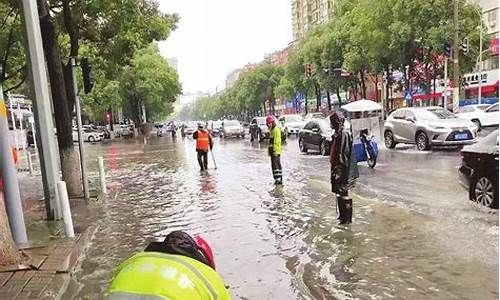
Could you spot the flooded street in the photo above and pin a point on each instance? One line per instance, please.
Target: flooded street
(415, 234)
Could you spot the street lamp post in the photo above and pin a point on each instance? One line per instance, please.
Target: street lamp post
(480, 57)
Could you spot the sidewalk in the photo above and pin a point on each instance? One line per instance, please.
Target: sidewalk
(49, 257)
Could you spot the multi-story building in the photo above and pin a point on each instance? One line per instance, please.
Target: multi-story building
(308, 13)
(280, 57)
(490, 67)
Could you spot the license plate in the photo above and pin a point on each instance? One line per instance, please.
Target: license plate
(461, 136)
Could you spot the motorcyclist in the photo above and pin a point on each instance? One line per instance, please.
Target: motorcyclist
(275, 149)
(179, 268)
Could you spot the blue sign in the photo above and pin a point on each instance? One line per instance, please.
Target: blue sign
(408, 95)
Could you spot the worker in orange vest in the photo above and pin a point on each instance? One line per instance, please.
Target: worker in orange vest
(204, 143)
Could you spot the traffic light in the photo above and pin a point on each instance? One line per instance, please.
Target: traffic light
(88, 79)
(447, 49)
(465, 45)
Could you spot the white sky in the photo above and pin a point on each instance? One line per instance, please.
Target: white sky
(215, 37)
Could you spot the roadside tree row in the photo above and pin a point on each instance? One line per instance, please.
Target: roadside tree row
(398, 42)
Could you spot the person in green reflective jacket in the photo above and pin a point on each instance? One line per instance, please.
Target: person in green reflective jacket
(179, 268)
(275, 149)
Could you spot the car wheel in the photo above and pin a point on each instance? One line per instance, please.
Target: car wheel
(422, 141)
(91, 139)
(389, 140)
(484, 192)
(477, 123)
(242, 136)
(322, 148)
(302, 147)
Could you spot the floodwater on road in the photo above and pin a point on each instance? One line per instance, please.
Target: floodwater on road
(414, 235)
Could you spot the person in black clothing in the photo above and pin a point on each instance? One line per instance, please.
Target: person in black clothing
(342, 163)
(204, 143)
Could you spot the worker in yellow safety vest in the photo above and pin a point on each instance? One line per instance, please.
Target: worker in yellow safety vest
(179, 268)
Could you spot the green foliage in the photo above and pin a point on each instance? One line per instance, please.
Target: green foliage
(113, 35)
(149, 80)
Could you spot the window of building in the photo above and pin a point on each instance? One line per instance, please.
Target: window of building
(493, 16)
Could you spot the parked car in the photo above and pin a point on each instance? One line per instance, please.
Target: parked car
(315, 135)
(427, 127)
(232, 128)
(89, 135)
(483, 115)
(215, 127)
(126, 130)
(258, 129)
(479, 170)
(104, 130)
(293, 123)
(191, 127)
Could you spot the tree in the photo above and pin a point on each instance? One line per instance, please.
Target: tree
(149, 81)
(120, 29)
(8, 251)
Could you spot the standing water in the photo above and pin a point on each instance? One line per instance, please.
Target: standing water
(273, 242)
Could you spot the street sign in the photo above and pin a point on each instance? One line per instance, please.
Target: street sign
(408, 95)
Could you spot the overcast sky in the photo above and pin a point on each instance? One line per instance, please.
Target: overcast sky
(215, 37)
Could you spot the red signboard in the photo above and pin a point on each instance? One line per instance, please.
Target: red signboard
(494, 46)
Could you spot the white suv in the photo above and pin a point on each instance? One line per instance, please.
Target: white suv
(482, 115)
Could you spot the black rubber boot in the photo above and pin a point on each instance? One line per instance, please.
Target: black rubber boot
(343, 211)
(338, 207)
(348, 210)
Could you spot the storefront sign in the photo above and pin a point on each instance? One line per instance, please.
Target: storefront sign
(494, 46)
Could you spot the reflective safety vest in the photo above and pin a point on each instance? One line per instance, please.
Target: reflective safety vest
(156, 275)
(203, 142)
(275, 140)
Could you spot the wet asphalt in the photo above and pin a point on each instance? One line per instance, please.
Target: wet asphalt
(415, 234)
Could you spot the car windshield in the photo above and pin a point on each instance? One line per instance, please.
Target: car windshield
(293, 118)
(232, 123)
(434, 114)
(216, 124)
(482, 107)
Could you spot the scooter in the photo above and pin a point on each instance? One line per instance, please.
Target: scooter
(369, 147)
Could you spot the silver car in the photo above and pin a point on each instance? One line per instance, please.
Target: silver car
(232, 128)
(426, 127)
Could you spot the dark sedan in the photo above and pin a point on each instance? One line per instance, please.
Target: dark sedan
(316, 135)
(479, 170)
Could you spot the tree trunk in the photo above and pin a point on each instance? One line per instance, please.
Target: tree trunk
(305, 103)
(8, 251)
(337, 91)
(317, 90)
(69, 160)
(329, 99)
(363, 84)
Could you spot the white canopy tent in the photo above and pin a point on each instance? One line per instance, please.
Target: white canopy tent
(361, 106)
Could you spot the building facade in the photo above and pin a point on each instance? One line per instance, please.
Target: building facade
(308, 13)
(490, 66)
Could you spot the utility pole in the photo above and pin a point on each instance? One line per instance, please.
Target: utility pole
(83, 166)
(456, 55)
(13, 204)
(47, 148)
(445, 93)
